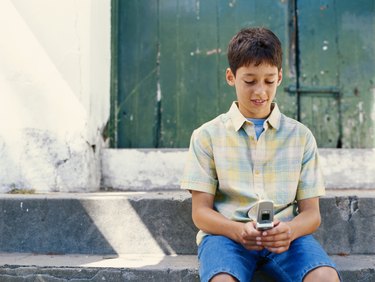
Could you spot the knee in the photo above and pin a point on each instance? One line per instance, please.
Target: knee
(324, 273)
(223, 277)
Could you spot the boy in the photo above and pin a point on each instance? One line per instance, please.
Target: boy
(251, 153)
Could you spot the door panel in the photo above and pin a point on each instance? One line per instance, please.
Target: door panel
(188, 68)
(321, 115)
(137, 73)
(318, 69)
(336, 50)
(357, 71)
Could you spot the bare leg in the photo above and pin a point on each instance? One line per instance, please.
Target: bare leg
(322, 274)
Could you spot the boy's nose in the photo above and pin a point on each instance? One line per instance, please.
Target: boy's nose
(260, 89)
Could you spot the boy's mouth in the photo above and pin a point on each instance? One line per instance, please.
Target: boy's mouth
(258, 102)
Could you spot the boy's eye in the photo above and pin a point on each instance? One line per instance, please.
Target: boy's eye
(250, 82)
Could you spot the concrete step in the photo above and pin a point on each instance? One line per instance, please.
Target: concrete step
(154, 223)
(162, 168)
(140, 268)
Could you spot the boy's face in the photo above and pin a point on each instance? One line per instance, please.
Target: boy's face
(255, 88)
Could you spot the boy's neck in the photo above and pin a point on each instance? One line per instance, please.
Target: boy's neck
(265, 116)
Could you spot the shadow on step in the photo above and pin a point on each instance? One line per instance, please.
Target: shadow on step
(49, 226)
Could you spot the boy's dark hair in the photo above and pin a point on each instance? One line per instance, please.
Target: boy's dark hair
(254, 46)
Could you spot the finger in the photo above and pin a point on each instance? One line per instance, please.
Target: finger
(251, 242)
(277, 237)
(253, 247)
(251, 227)
(280, 229)
(250, 232)
(278, 250)
(277, 244)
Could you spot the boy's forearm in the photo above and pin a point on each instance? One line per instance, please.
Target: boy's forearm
(212, 222)
(207, 219)
(307, 222)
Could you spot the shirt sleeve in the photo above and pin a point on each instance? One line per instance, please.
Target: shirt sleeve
(311, 182)
(200, 173)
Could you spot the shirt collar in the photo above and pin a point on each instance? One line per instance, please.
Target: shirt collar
(238, 119)
(275, 116)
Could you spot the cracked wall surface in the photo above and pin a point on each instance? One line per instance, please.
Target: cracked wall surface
(348, 225)
(347, 206)
(54, 92)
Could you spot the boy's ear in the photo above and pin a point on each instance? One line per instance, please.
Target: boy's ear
(229, 76)
(280, 77)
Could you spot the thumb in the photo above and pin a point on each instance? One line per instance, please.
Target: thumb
(276, 222)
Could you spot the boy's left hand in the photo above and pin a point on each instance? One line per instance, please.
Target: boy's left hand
(277, 240)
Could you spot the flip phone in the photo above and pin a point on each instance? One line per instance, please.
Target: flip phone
(265, 215)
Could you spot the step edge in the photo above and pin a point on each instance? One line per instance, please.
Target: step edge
(150, 262)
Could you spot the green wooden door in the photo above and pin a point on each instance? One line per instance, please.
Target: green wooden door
(336, 71)
(170, 58)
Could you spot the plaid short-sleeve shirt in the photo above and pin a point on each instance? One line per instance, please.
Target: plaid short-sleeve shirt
(226, 159)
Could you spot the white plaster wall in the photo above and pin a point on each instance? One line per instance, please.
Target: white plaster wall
(54, 93)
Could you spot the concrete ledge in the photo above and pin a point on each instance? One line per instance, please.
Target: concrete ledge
(152, 169)
(348, 168)
(157, 223)
(142, 169)
(100, 223)
(26, 267)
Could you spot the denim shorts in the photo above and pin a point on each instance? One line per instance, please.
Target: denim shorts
(219, 254)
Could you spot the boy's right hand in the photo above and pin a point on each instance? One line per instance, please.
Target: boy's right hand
(251, 237)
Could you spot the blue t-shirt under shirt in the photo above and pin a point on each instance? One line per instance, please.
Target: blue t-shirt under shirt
(258, 124)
